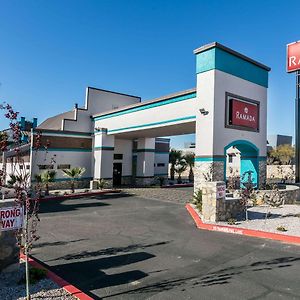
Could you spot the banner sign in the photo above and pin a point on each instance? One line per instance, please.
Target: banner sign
(293, 57)
(242, 114)
(11, 218)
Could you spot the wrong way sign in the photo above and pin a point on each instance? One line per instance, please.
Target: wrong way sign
(11, 218)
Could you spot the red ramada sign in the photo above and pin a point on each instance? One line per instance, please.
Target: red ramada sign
(293, 57)
(11, 218)
(244, 114)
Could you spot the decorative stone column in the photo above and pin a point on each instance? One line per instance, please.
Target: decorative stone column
(103, 152)
(262, 168)
(213, 201)
(208, 169)
(145, 161)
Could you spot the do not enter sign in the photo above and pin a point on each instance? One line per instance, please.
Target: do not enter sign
(11, 218)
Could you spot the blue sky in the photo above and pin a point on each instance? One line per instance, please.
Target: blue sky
(51, 50)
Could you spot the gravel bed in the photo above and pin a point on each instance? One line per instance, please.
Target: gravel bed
(287, 216)
(45, 289)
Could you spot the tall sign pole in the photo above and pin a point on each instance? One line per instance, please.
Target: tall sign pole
(297, 133)
(293, 65)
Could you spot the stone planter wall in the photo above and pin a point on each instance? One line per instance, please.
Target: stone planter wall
(290, 195)
(9, 251)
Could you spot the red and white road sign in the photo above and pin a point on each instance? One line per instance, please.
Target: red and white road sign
(11, 218)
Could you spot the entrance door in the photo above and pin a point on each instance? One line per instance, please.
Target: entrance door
(117, 174)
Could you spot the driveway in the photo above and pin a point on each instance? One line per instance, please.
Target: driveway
(128, 247)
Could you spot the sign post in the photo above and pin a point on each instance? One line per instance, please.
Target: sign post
(293, 65)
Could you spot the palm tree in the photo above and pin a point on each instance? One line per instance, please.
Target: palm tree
(73, 173)
(180, 167)
(174, 156)
(190, 160)
(47, 177)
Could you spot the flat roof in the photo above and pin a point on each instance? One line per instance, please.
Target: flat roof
(178, 94)
(231, 51)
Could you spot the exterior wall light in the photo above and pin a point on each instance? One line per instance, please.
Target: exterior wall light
(203, 111)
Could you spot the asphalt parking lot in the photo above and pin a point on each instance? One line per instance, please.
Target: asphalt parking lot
(128, 247)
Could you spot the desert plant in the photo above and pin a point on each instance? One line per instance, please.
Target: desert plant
(283, 154)
(231, 221)
(190, 160)
(174, 156)
(101, 183)
(160, 180)
(47, 177)
(73, 174)
(180, 167)
(197, 199)
(281, 228)
(233, 179)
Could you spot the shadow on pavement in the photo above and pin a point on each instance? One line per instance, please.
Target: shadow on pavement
(109, 251)
(220, 277)
(53, 206)
(89, 275)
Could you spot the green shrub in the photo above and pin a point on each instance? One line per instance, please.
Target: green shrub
(35, 275)
(231, 221)
(197, 200)
(281, 228)
(101, 184)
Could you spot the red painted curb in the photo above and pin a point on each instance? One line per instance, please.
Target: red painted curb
(70, 196)
(242, 231)
(71, 289)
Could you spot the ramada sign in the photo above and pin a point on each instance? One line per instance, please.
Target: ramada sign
(293, 57)
(244, 114)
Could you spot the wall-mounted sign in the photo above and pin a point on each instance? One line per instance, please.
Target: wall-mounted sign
(293, 57)
(242, 113)
(221, 191)
(11, 218)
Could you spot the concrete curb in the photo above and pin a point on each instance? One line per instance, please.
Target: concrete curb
(177, 185)
(241, 231)
(70, 196)
(69, 288)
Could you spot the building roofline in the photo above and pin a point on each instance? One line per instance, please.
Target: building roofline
(173, 95)
(231, 51)
(108, 91)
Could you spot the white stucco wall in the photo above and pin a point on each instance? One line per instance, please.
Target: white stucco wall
(158, 114)
(75, 159)
(211, 88)
(124, 147)
(97, 101)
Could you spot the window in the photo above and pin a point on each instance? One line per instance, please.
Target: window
(63, 166)
(27, 167)
(21, 167)
(118, 156)
(45, 167)
(230, 158)
(161, 164)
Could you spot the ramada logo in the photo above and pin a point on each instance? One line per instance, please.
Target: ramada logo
(245, 116)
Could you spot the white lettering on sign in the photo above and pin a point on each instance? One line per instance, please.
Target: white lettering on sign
(221, 191)
(11, 218)
(244, 116)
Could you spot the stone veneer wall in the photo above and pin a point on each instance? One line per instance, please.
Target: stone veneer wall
(66, 184)
(9, 251)
(222, 209)
(214, 170)
(262, 168)
(144, 181)
(290, 195)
